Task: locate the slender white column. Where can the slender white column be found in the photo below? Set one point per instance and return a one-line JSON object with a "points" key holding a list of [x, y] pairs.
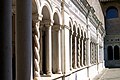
{"points": [[71, 50], [48, 45], [56, 48], [88, 51], [82, 52], [41, 48], [59, 51], [75, 64], [78, 52], [113, 52], [24, 39], [6, 40]]}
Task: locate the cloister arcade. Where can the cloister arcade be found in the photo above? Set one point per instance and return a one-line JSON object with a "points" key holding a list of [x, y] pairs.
{"points": [[56, 40]]}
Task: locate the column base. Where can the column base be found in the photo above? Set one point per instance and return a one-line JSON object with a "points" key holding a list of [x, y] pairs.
{"points": [[59, 72], [78, 65], [49, 73], [71, 68], [75, 67]]}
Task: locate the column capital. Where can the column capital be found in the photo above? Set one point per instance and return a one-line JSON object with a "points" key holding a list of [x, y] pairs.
{"points": [[56, 27], [71, 32], [48, 23]]}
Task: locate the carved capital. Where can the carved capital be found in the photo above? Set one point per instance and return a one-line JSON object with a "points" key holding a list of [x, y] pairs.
{"points": [[48, 22], [56, 27]]}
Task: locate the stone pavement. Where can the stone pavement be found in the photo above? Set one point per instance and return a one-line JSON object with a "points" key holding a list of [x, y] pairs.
{"points": [[109, 74]]}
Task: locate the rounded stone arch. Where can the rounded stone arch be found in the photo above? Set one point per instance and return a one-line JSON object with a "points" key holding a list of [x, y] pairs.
{"points": [[55, 43], [46, 11], [112, 12], [56, 19], [74, 26], [46, 22], [71, 24], [57, 15]]}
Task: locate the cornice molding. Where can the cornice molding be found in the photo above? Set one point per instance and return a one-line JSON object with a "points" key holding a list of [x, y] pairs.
{"points": [[82, 5]]}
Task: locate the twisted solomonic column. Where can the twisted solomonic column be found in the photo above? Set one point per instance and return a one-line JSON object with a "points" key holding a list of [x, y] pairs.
{"points": [[36, 49]]}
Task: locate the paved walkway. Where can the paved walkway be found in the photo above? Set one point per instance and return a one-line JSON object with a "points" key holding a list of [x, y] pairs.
{"points": [[110, 74]]}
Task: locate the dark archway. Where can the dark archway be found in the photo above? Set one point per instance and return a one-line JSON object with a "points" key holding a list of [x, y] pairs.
{"points": [[81, 47], [70, 44], [110, 52], [56, 44], [116, 52], [44, 41], [73, 47]]}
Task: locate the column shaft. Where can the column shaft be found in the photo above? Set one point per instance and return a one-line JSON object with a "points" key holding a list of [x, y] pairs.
{"points": [[24, 39], [78, 52], [82, 53], [75, 64], [88, 52], [48, 50], [36, 49], [6, 40], [71, 52], [59, 52]]}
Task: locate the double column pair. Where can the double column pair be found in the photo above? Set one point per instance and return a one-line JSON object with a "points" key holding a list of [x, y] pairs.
{"points": [[47, 28]]}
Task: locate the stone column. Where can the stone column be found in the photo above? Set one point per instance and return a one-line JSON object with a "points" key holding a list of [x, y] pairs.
{"points": [[88, 49], [6, 40], [82, 51], [36, 45], [71, 34], [113, 51], [73, 50], [58, 30], [75, 64], [48, 45], [24, 40], [78, 51], [42, 28]]}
